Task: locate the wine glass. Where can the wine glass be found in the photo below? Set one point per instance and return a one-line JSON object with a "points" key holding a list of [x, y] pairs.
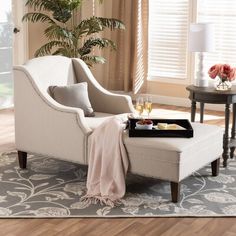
{"points": [[148, 105], [139, 105]]}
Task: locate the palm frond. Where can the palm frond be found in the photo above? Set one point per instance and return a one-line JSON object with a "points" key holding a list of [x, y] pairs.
{"points": [[57, 32], [111, 23], [61, 9], [89, 26], [95, 42], [74, 4], [62, 14], [37, 17], [64, 52], [97, 24], [47, 48], [64, 35], [81, 29], [33, 3], [90, 60], [49, 5]]}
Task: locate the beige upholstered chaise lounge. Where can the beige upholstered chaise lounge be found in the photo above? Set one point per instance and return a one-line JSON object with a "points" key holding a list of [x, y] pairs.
{"points": [[45, 127]]}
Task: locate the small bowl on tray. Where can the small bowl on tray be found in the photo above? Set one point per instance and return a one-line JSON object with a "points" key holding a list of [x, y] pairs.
{"points": [[144, 124]]}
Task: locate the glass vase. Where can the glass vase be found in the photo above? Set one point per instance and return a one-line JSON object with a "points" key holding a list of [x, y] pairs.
{"points": [[223, 85]]}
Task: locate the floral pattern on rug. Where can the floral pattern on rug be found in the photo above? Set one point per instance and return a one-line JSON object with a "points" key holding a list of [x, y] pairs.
{"points": [[53, 188]]}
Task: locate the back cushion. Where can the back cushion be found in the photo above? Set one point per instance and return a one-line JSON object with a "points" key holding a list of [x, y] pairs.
{"points": [[51, 70]]}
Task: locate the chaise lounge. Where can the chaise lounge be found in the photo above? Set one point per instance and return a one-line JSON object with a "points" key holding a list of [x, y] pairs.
{"points": [[46, 127]]}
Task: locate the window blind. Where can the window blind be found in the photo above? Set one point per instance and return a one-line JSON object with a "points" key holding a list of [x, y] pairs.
{"points": [[168, 29], [222, 13]]}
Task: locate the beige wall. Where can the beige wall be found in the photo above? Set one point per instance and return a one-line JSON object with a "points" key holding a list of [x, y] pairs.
{"points": [[167, 89], [36, 39]]}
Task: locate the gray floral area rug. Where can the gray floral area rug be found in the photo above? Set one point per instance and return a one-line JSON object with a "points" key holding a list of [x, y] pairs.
{"points": [[52, 188]]}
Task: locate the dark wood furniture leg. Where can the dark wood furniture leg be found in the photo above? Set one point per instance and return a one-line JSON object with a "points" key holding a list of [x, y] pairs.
{"points": [[215, 167], [193, 111], [22, 157], [232, 148], [226, 136], [175, 191], [201, 112]]}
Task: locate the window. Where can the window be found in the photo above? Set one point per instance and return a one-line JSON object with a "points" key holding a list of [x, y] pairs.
{"points": [[168, 57], [222, 14], [6, 83], [168, 29]]}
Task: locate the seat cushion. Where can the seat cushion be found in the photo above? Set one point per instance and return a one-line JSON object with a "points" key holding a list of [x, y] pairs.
{"points": [[174, 158], [99, 118], [75, 95]]}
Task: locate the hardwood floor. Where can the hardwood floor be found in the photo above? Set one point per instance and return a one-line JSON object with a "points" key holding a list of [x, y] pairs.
{"points": [[7, 139], [110, 227]]}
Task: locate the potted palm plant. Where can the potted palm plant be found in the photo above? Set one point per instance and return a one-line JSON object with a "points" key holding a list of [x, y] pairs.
{"points": [[68, 37]]}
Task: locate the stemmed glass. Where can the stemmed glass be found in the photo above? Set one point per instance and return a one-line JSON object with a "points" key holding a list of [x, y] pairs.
{"points": [[148, 105], [139, 106]]}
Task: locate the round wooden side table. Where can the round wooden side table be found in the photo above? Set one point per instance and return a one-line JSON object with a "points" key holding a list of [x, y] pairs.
{"points": [[211, 95]]}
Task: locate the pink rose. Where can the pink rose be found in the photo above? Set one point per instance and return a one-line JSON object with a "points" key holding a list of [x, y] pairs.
{"points": [[214, 71], [232, 74], [224, 71]]}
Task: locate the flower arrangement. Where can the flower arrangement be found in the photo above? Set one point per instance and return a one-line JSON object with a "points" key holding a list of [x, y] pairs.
{"points": [[224, 71], [226, 74]]}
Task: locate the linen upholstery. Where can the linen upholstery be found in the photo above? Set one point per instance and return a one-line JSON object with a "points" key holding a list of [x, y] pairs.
{"points": [[51, 70], [42, 125], [100, 118], [75, 95], [174, 158], [101, 99]]}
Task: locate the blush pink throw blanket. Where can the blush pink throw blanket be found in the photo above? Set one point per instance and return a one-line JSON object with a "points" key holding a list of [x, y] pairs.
{"points": [[108, 164]]}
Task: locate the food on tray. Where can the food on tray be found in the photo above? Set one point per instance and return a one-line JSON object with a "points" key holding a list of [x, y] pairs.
{"points": [[162, 125], [144, 124], [175, 126], [148, 124], [165, 126]]}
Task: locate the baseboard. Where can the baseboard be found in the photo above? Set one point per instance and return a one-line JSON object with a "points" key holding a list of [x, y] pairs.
{"points": [[8, 108]]}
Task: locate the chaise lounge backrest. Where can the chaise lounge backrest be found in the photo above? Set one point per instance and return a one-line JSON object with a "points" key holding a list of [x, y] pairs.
{"points": [[50, 70]]}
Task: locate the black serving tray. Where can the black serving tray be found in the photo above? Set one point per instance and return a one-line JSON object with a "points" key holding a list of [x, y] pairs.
{"points": [[187, 133]]}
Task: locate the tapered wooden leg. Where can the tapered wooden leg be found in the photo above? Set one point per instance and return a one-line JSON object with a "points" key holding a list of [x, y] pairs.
{"points": [[201, 112], [233, 131], [193, 111], [175, 191], [215, 167], [226, 136], [22, 157]]}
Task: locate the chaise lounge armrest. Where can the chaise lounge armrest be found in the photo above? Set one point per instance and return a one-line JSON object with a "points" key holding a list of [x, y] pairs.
{"points": [[79, 113], [25, 81], [107, 102], [101, 99]]}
